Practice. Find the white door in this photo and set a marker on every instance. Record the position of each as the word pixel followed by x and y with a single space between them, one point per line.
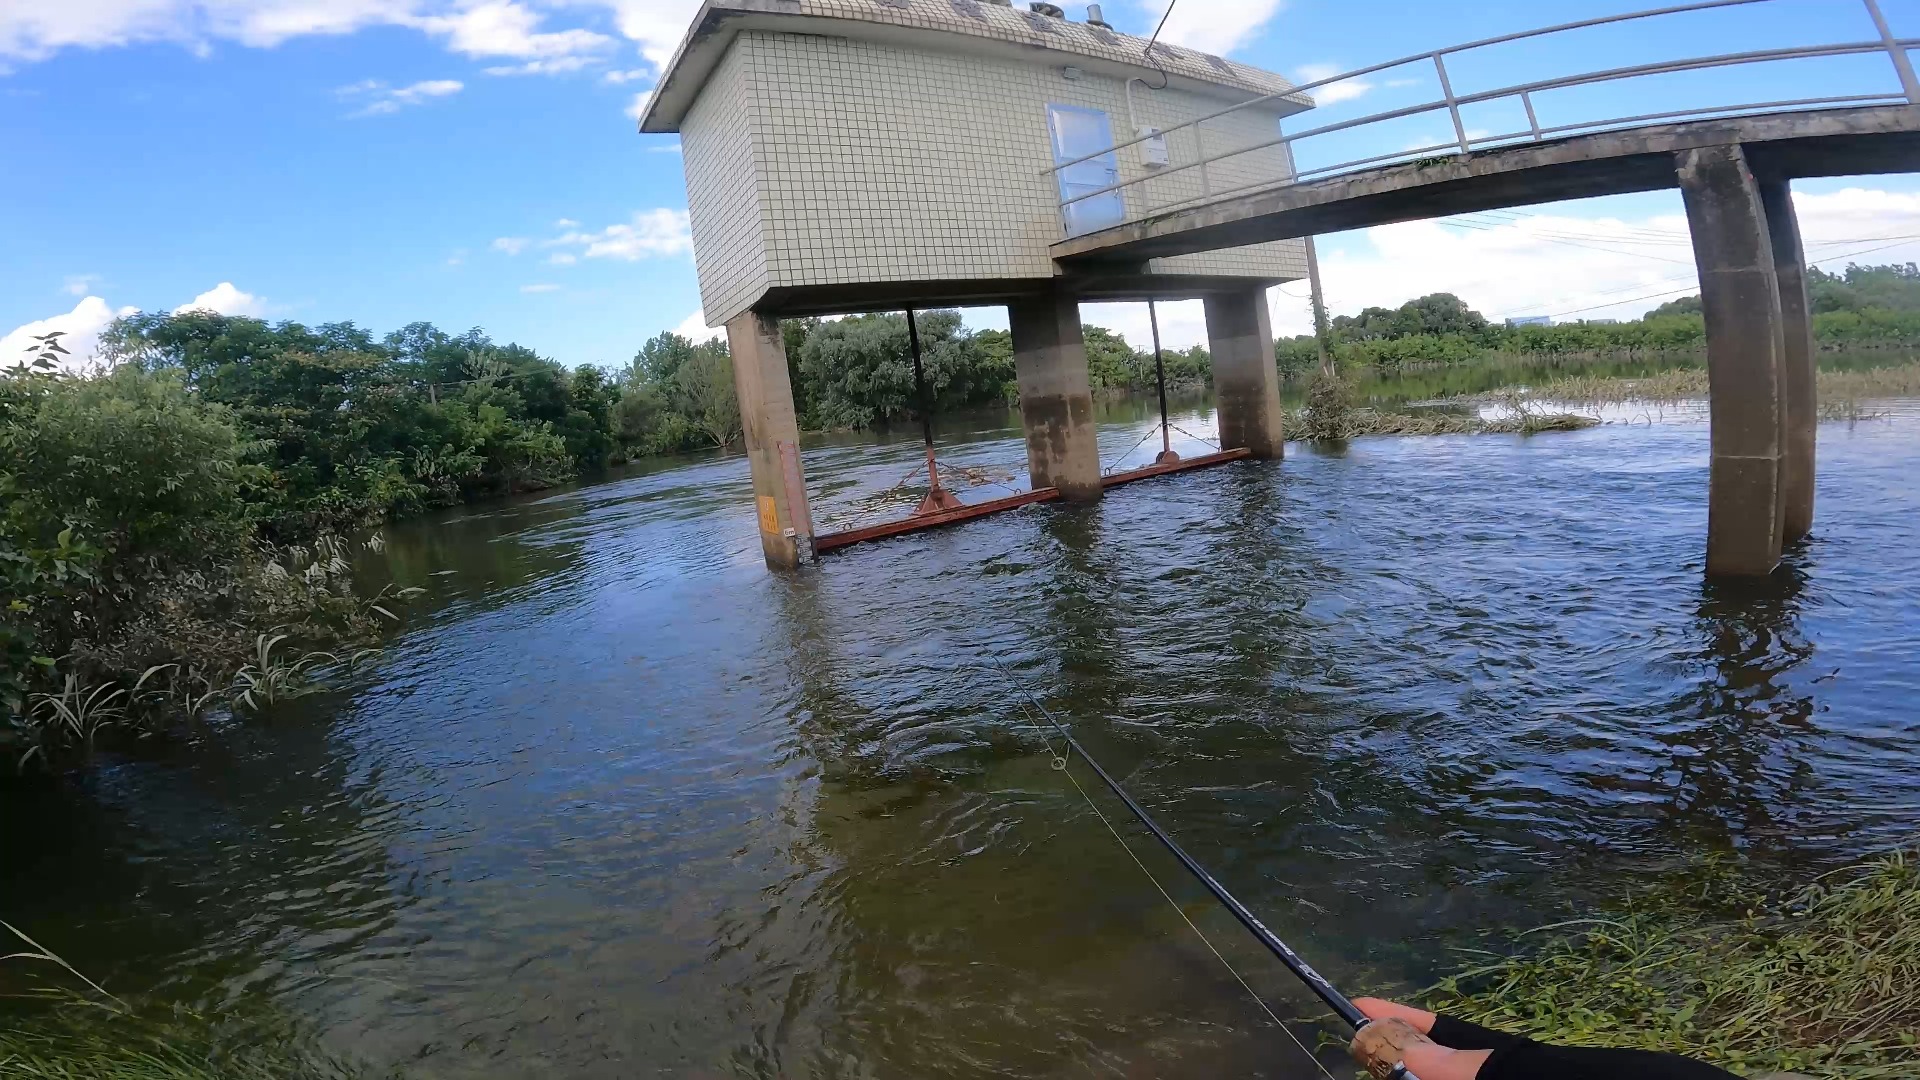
pixel 1078 132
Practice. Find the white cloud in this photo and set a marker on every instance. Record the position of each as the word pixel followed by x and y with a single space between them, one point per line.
pixel 458 257
pixel 562 258
pixel 82 327
pixel 79 284
pixel 655 25
pixel 382 100
pixel 566 223
pixel 559 65
pixel 36 29
pixel 650 233
pixel 695 329
pixel 224 299
pixel 1182 323
pixel 542 287
pixel 512 245
pixel 638 108
pixel 1332 93
pixel 1218 27
pixel 622 78
pixel 665 148
pixel 504 28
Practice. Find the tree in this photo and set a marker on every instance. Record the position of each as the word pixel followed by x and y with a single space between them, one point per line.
pixel 1111 362
pixel 705 393
pixel 658 360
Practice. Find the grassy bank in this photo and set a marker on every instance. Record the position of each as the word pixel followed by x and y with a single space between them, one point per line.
pixel 1817 980
pixel 1843 394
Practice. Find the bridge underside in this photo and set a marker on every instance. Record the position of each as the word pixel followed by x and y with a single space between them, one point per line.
pixel 1734 175
pixel 1092 285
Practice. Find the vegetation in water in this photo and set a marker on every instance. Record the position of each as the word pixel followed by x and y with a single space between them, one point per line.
pixel 1817 980
pixel 138 574
pixel 1331 414
pixel 69 1028
pixel 1842 394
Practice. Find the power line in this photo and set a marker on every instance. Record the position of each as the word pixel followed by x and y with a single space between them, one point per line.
pixel 1569 243
pixel 1691 288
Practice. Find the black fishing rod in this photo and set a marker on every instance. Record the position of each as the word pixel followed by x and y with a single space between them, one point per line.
pixel 1315 981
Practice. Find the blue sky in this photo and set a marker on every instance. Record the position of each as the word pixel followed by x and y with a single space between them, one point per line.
pixel 475 163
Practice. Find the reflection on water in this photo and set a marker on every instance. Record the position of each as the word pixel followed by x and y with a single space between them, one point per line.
pixel 620 803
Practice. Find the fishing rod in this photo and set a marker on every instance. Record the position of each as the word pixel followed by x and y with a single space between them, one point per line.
pixel 1316 982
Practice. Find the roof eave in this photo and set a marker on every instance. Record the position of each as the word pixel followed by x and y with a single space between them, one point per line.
pixel 685 75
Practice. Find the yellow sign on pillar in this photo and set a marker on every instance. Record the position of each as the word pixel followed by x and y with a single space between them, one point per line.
pixel 769 517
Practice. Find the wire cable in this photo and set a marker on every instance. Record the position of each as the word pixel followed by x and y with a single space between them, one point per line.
pixel 1061 764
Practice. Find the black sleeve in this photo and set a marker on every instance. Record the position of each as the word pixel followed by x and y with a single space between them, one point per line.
pixel 1524 1059
pixel 1465 1035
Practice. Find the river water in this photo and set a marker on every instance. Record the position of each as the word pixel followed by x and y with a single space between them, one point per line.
pixel 619 803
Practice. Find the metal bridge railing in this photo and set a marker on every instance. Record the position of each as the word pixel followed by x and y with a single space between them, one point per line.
pixel 1464 143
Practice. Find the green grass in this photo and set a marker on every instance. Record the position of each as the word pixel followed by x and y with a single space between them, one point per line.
pixel 78 1039
pixel 82 1032
pixel 1841 393
pixel 1820 980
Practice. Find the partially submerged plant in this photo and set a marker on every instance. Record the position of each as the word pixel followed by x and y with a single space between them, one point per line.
pixel 270 678
pixel 1819 981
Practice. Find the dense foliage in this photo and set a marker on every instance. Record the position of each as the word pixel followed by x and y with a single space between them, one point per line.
pixel 351 429
pixel 136 580
pixel 1862 305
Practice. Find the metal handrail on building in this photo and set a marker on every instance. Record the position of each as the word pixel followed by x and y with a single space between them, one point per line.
pixel 1464 143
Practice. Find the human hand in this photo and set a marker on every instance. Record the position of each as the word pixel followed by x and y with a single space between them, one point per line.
pixel 1397 1036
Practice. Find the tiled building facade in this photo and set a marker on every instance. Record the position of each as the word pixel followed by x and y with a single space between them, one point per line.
pixel 912 145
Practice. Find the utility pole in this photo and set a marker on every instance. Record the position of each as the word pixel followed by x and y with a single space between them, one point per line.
pixel 938 498
pixel 1167 456
pixel 1322 332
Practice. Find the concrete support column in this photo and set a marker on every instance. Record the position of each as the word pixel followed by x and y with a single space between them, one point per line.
pixel 1746 373
pixel 772 436
pixel 1802 397
pixel 1246 380
pixel 1056 396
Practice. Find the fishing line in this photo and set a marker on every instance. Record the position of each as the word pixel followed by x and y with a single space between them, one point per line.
pixel 1060 762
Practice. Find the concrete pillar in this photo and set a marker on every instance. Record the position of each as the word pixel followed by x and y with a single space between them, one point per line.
pixel 772 436
pixel 1056 396
pixel 1246 380
pixel 1801 409
pixel 1740 295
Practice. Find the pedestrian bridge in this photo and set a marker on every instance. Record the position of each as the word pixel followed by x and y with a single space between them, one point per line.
pixel 1829 108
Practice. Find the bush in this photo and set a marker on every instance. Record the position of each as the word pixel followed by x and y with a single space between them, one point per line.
pixel 135 585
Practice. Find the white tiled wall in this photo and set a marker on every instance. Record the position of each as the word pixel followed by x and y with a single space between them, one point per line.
pixel 873 162
pixel 724 200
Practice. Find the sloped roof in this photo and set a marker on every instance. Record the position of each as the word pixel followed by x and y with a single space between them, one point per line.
pixel 989 26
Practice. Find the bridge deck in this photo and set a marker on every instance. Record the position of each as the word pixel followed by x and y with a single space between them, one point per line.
pixel 1782 145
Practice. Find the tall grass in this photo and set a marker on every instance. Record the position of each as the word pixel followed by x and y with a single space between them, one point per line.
pixel 1841 393
pixel 1820 980
pixel 76 1030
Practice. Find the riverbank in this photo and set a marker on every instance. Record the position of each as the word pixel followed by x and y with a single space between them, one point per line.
pixel 1816 980
pixel 1844 394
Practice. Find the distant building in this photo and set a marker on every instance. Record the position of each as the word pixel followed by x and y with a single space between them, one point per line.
pixel 1600 322
pixel 1532 320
